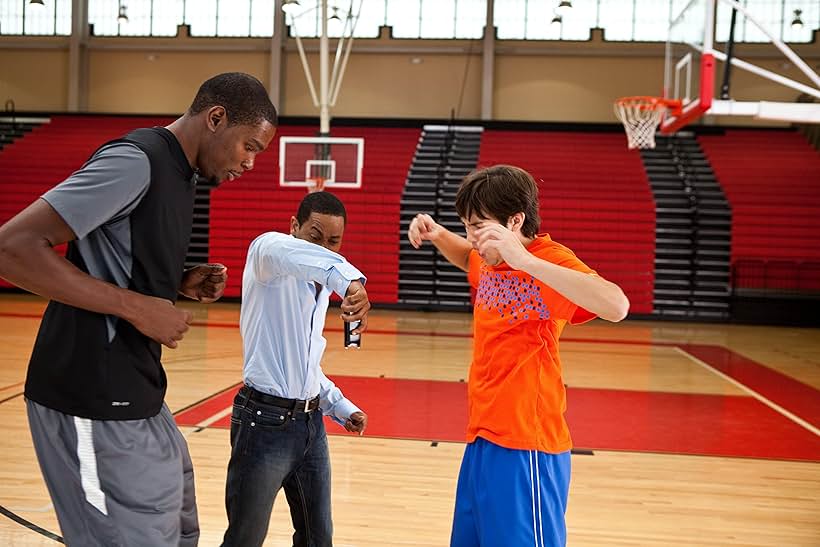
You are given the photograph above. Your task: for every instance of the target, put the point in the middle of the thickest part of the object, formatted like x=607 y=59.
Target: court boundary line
x=30 y=525
x=10 y=386
x=211 y=396
x=12 y=397
x=743 y=387
x=395 y=332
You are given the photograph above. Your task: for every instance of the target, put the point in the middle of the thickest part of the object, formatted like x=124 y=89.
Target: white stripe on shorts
x=88 y=465
x=532 y=495
x=538 y=489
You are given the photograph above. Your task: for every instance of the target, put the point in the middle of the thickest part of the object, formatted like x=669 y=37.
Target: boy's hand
x=495 y=237
x=423 y=228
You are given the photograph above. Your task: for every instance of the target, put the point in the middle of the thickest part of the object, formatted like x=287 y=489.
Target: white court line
x=44 y=509
x=219 y=415
x=774 y=406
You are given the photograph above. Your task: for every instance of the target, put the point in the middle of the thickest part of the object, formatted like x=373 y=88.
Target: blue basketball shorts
x=510 y=498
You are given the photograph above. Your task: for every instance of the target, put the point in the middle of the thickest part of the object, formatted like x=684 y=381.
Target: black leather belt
x=296 y=405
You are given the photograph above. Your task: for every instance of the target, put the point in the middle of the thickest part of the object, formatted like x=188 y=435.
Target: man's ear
x=216 y=117
x=294 y=226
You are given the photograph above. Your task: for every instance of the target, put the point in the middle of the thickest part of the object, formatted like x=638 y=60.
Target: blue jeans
x=273 y=448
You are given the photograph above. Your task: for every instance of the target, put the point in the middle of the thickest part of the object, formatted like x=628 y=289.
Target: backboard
x=689 y=68
x=690 y=65
x=332 y=162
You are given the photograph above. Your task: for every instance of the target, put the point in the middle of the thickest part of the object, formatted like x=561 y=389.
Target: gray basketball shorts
x=117 y=483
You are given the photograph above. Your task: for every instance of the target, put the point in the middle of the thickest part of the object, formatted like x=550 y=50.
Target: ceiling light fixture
x=797 y=22
x=563 y=7
x=290 y=6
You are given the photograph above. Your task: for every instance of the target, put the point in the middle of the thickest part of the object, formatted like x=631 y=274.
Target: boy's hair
x=323 y=203
x=243 y=97
x=499 y=192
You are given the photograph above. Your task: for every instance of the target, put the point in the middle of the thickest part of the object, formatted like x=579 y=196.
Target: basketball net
x=641 y=117
x=316 y=185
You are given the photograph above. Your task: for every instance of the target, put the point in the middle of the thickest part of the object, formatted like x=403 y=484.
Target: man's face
x=231 y=149
x=475 y=223
x=321 y=229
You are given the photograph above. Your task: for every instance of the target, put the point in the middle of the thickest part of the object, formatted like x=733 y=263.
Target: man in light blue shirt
x=278 y=438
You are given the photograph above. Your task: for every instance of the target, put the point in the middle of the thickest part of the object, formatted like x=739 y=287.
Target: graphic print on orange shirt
x=513 y=296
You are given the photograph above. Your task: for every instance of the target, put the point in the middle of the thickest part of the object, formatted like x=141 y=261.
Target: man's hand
x=356 y=423
x=423 y=228
x=204 y=282
x=356 y=305
x=495 y=237
x=160 y=320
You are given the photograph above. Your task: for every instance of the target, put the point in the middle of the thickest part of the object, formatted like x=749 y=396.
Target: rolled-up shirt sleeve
x=332 y=403
x=279 y=254
x=109 y=186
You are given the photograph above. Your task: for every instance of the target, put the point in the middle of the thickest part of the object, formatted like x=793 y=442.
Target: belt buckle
x=307 y=404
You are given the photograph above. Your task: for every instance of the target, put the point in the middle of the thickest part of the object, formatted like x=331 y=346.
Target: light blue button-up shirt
x=285 y=294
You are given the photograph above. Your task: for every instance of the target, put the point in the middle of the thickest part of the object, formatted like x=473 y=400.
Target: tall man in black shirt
x=116 y=466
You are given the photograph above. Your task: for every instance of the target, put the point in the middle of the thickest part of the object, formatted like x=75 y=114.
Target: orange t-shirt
x=516 y=395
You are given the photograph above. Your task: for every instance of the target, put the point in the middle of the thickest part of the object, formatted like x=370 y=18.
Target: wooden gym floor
x=685 y=434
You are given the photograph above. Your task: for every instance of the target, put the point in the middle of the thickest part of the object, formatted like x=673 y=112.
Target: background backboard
x=330 y=161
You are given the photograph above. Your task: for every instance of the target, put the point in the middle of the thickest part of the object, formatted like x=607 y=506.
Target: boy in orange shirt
x=514 y=479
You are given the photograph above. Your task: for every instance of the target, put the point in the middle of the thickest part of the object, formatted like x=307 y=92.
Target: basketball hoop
x=641 y=116
x=316 y=185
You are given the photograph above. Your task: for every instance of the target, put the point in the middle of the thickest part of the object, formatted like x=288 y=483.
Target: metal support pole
x=727 y=66
x=324 y=76
x=275 y=64
x=488 y=65
x=77 y=96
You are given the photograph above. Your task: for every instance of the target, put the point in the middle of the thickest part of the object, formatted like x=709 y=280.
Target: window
x=622 y=20
x=229 y=18
x=435 y=19
x=775 y=15
x=20 y=17
x=646 y=20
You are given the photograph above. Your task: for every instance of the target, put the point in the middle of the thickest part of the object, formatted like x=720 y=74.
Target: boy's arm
x=455 y=248
x=591 y=292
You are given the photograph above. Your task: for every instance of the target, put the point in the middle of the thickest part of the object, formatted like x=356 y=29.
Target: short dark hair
x=243 y=97
x=499 y=192
x=323 y=203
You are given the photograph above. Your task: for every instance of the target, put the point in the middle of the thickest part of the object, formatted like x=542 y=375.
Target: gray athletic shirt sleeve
x=108 y=187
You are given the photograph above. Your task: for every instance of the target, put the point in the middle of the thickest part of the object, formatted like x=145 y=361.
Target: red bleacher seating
x=52 y=151
x=243 y=209
x=595 y=199
x=772 y=182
